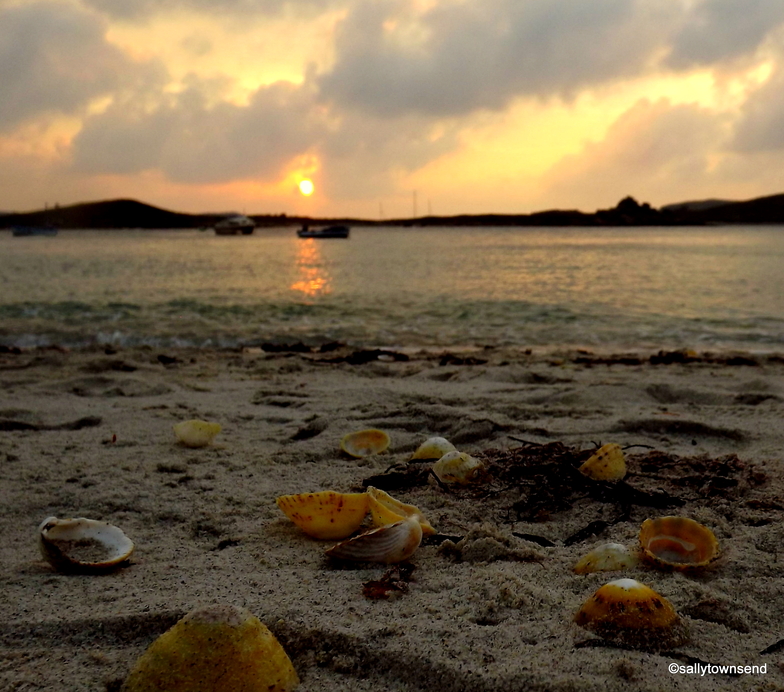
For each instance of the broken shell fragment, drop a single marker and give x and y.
(631, 614)
(606, 464)
(678, 543)
(433, 448)
(326, 515)
(219, 648)
(388, 544)
(385, 509)
(608, 557)
(458, 467)
(83, 545)
(196, 433)
(365, 442)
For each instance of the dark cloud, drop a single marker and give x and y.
(53, 57)
(718, 30)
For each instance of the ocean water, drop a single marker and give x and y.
(608, 289)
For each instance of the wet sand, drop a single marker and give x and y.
(89, 434)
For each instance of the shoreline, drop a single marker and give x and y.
(496, 615)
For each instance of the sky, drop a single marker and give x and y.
(390, 107)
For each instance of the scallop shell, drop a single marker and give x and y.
(326, 515)
(458, 467)
(385, 509)
(678, 543)
(388, 544)
(196, 433)
(433, 448)
(608, 557)
(606, 464)
(83, 545)
(365, 442)
(634, 615)
(220, 648)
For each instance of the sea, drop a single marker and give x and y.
(603, 289)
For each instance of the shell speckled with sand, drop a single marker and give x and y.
(363, 443)
(609, 557)
(326, 515)
(387, 544)
(219, 648)
(458, 467)
(196, 433)
(631, 614)
(385, 509)
(606, 464)
(677, 543)
(83, 545)
(433, 448)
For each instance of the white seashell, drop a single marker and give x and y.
(433, 448)
(608, 557)
(388, 544)
(457, 467)
(83, 545)
(196, 433)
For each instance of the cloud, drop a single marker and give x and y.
(142, 9)
(761, 125)
(54, 57)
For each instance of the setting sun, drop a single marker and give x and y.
(306, 187)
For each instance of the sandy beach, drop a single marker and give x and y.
(89, 433)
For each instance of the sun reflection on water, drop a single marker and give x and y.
(313, 280)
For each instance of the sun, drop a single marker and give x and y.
(306, 187)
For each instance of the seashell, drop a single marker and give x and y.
(385, 509)
(606, 464)
(388, 544)
(220, 648)
(457, 467)
(326, 515)
(433, 448)
(678, 543)
(365, 442)
(83, 545)
(196, 433)
(608, 557)
(631, 614)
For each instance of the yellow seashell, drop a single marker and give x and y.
(388, 544)
(83, 545)
(631, 614)
(458, 467)
(678, 543)
(433, 448)
(385, 509)
(327, 515)
(365, 442)
(606, 558)
(607, 464)
(196, 433)
(218, 648)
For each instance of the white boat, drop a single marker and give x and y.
(234, 225)
(328, 232)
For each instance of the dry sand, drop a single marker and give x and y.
(495, 613)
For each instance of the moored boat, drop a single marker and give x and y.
(326, 232)
(234, 225)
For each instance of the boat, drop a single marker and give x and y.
(23, 231)
(234, 225)
(326, 232)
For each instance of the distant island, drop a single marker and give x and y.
(128, 213)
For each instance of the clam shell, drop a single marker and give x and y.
(385, 509)
(678, 543)
(433, 448)
(387, 544)
(220, 648)
(196, 433)
(365, 442)
(326, 515)
(83, 545)
(608, 557)
(606, 464)
(634, 615)
(458, 467)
